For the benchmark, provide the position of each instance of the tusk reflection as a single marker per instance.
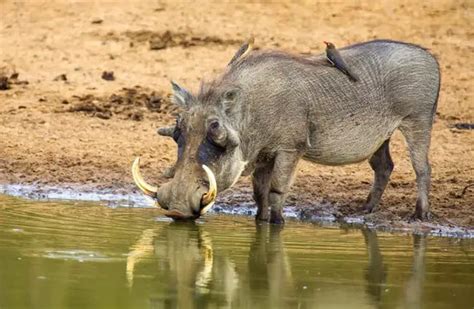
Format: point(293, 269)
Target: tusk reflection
point(142, 249)
point(205, 276)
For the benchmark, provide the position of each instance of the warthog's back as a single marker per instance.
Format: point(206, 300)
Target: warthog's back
point(352, 119)
point(344, 121)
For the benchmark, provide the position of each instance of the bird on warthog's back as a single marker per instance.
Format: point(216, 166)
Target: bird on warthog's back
point(336, 60)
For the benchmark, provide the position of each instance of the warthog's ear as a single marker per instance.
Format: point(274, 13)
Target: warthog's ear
point(230, 98)
point(242, 51)
point(181, 96)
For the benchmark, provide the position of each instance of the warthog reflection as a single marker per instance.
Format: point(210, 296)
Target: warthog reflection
point(376, 272)
point(197, 270)
point(414, 286)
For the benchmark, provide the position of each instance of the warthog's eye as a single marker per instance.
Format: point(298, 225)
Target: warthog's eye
point(230, 95)
point(214, 125)
point(216, 134)
point(229, 99)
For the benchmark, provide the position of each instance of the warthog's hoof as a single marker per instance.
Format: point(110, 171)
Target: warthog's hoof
point(370, 205)
point(260, 217)
point(276, 218)
point(422, 211)
point(421, 216)
point(368, 208)
point(262, 214)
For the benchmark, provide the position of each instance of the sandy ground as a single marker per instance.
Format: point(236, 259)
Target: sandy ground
point(79, 128)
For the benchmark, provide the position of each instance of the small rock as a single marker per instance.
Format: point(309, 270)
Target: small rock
point(4, 84)
point(108, 75)
point(137, 116)
point(157, 44)
point(97, 21)
point(162, 41)
point(61, 77)
point(104, 115)
point(154, 102)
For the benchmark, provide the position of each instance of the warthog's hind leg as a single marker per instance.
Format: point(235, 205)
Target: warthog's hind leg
point(417, 133)
point(382, 164)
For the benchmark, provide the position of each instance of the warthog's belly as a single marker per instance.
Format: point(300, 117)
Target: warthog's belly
point(347, 143)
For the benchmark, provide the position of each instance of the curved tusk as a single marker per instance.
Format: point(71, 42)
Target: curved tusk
point(137, 177)
point(209, 198)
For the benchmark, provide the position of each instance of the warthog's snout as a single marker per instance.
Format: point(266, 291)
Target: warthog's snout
point(193, 205)
point(178, 215)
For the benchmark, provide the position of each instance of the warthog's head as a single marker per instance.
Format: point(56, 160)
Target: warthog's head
point(209, 151)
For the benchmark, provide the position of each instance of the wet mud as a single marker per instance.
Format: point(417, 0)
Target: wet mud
point(324, 214)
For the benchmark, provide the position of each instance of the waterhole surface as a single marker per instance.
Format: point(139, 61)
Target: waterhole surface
point(82, 255)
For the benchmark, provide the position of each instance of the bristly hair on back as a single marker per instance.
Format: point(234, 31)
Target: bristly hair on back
point(383, 41)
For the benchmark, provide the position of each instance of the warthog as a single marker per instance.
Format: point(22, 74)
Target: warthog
point(270, 109)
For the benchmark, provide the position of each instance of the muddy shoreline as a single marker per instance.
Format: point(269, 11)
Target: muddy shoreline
point(326, 214)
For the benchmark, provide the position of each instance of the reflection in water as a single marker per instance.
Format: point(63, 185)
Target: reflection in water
point(269, 266)
point(414, 286)
point(56, 255)
point(142, 249)
point(376, 273)
point(194, 270)
point(187, 251)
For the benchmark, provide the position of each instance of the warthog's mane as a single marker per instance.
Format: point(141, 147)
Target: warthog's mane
point(212, 88)
point(209, 89)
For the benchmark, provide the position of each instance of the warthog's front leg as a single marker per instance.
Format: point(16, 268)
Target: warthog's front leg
point(261, 179)
point(282, 177)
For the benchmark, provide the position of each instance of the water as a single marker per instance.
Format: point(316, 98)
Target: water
point(64, 255)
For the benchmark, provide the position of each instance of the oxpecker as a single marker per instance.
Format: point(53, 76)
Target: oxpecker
point(336, 60)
